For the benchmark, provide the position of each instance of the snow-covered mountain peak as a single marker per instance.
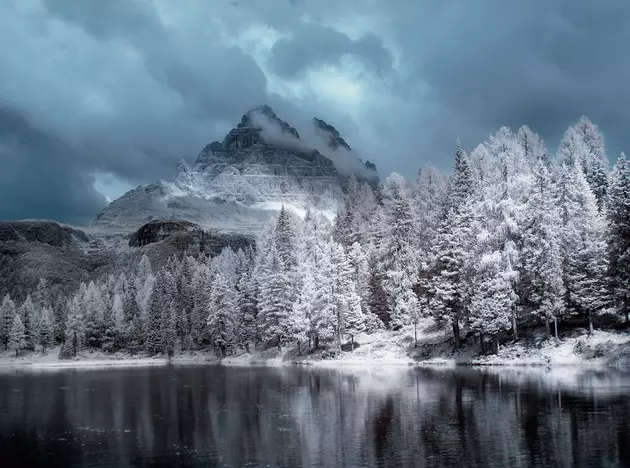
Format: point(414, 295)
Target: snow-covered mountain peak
point(236, 184)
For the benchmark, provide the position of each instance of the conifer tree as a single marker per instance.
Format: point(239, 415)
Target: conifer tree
point(221, 313)
point(619, 236)
point(17, 337)
point(7, 314)
point(27, 315)
point(45, 329)
point(452, 247)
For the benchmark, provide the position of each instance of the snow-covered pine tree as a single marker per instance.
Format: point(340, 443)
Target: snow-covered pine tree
point(201, 286)
point(27, 315)
point(46, 332)
point(618, 212)
point(303, 308)
point(583, 144)
point(533, 146)
point(399, 259)
point(119, 325)
point(583, 246)
point(276, 298)
point(169, 334)
point(452, 249)
point(109, 334)
point(94, 312)
point(247, 309)
point(540, 267)
point(17, 337)
point(596, 165)
point(284, 239)
point(75, 328)
point(161, 297)
point(144, 281)
point(349, 317)
point(7, 313)
point(221, 314)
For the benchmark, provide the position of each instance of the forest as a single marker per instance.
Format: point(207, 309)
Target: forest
point(512, 239)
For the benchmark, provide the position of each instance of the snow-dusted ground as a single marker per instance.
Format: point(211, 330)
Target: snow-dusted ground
point(383, 348)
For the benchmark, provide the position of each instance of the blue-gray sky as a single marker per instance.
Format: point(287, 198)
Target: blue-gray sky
point(97, 96)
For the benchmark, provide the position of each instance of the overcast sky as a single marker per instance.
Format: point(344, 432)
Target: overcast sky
point(97, 96)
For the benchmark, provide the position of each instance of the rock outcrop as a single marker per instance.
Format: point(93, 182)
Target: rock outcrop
point(239, 183)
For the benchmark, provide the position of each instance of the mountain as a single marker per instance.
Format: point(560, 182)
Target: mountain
point(238, 184)
point(231, 191)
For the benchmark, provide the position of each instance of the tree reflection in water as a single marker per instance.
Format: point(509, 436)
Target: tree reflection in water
point(222, 416)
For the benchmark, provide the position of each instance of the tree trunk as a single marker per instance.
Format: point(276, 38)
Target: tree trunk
point(496, 343)
point(547, 330)
point(352, 341)
point(555, 327)
point(316, 342)
point(456, 336)
point(247, 347)
point(590, 323)
point(514, 327)
point(299, 348)
point(483, 348)
point(16, 352)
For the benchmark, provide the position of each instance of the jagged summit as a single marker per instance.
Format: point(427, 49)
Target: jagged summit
point(236, 184)
point(330, 133)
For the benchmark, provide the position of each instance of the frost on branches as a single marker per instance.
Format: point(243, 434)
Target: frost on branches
point(511, 239)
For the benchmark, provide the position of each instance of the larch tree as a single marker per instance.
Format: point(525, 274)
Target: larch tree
point(540, 267)
point(7, 313)
point(618, 213)
point(452, 248)
point(222, 307)
point(17, 337)
point(583, 246)
point(46, 332)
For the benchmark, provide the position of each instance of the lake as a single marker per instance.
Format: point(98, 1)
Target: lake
point(300, 416)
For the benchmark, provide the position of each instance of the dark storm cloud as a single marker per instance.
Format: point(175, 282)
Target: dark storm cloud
point(542, 63)
point(33, 181)
point(313, 44)
point(130, 87)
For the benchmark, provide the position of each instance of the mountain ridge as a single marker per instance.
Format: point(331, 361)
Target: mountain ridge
point(239, 183)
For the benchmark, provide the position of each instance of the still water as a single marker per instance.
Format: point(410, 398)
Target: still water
point(226, 416)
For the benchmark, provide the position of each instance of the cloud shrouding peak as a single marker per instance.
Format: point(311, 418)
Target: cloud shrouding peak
point(125, 89)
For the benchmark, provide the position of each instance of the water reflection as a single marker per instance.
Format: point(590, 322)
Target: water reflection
point(217, 416)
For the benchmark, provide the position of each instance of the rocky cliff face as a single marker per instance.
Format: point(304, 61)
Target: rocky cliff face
point(237, 184)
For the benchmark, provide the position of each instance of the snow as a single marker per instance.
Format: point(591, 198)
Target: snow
point(381, 349)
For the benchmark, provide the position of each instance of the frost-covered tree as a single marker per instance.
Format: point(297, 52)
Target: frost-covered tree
point(540, 266)
point(452, 248)
point(618, 212)
point(534, 149)
point(583, 145)
point(75, 328)
point(276, 298)
point(27, 313)
point(169, 333)
point(222, 308)
point(7, 314)
point(17, 337)
point(46, 332)
point(583, 246)
point(94, 314)
point(118, 322)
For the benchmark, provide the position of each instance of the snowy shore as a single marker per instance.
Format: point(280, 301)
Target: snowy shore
point(602, 348)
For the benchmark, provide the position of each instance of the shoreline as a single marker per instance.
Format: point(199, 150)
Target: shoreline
point(252, 360)
point(601, 350)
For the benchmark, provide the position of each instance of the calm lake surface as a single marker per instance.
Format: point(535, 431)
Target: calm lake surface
point(227, 416)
